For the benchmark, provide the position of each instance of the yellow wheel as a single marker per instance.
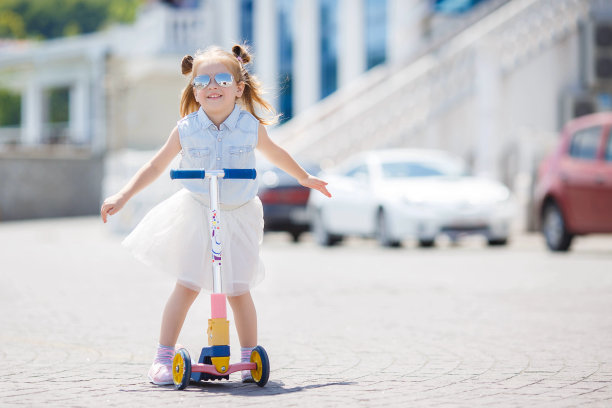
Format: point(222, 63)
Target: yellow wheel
point(181, 369)
point(262, 372)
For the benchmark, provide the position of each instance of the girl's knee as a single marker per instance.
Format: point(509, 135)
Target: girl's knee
point(186, 290)
point(235, 300)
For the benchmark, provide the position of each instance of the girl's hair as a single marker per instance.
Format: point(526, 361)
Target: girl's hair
point(235, 62)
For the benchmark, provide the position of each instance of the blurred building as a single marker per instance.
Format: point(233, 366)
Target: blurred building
point(491, 80)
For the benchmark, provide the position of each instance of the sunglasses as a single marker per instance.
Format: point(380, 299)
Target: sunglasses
point(223, 79)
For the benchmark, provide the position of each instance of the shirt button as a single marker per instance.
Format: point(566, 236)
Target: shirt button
point(218, 158)
point(219, 139)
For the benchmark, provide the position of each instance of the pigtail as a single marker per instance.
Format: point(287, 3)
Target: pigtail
point(241, 54)
point(187, 64)
point(188, 101)
point(252, 94)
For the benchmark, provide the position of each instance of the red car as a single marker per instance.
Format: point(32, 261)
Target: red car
point(574, 189)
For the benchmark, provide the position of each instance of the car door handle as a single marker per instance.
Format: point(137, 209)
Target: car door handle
point(599, 180)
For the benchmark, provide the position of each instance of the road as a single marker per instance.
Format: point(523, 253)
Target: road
point(356, 325)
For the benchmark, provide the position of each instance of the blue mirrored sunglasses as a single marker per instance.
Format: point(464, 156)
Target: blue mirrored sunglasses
point(223, 79)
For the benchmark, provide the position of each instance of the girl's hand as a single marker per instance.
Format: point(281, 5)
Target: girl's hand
point(112, 205)
point(315, 183)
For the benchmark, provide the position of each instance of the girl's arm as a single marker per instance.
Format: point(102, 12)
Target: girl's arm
point(143, 177)
point(279, 156)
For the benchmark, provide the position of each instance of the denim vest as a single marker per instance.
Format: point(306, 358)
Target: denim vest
point(204, 146)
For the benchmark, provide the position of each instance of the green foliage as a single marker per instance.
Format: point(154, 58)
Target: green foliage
point(59, 105)
point(11, 25)
point(10, 108)
point(58, 18)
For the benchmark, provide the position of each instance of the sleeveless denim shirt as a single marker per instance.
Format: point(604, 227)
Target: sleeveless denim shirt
point(204, 146)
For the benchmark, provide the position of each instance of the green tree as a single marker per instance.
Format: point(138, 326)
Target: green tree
point(58, 18)
point(10, 108)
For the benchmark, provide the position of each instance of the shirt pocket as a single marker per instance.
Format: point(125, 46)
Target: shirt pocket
point(199, 156)
point(239, 156)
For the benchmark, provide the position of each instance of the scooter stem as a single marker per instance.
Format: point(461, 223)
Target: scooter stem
point(215, 222)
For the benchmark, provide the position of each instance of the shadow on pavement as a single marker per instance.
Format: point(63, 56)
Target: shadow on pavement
point(251, 390)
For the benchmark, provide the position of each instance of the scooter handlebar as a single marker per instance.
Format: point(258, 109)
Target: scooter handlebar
point(240, 174)
point(201, 174)
point(187, 174)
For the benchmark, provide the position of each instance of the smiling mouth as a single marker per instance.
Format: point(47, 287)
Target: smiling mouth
point(214, 96)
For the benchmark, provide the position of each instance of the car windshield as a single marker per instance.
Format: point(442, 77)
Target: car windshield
point(419, 169)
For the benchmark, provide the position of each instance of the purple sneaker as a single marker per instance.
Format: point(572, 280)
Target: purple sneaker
point(160, 374)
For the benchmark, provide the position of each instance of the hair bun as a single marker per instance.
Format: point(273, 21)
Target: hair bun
point(187, 64)
point(241, 53)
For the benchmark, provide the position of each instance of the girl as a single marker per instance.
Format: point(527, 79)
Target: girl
point(220, 128)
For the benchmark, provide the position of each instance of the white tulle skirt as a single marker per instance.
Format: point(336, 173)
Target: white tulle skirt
point(174, 237)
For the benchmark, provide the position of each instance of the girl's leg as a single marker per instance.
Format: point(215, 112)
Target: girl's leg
point(175, 312)
point(173, 318)
point(245, 318)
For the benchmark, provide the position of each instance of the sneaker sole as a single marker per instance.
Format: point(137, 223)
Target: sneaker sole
point(160, 382)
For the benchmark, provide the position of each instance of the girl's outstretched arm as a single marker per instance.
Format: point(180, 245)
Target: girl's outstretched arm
point(143, 177)
point(279, 156)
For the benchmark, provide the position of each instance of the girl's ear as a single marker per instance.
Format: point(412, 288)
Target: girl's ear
point(240, 90)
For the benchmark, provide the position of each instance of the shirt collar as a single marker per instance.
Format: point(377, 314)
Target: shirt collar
point(230, 122)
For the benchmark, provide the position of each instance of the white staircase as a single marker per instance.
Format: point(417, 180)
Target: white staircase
point(393, 106)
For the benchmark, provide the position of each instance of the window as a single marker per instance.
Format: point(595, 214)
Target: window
point(285, 58)
point(376, 31)
point(359, 172)
point(246, 21)
point(409, 169)
point(584, 143)
point(329, 48)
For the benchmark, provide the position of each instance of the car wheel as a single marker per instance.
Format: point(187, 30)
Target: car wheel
point(497, 241)
point(382, 231)
point(319, 230)
point(295, 235)
point(557, 236)
point(426, 243)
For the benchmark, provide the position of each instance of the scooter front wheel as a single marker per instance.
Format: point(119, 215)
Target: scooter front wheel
point(181, 369)
point(262, 372)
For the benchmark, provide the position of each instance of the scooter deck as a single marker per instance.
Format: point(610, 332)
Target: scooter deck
point(210, 369)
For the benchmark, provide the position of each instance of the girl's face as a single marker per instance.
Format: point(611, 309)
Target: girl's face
point(219, 96)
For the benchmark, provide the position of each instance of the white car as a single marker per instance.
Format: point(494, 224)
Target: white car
point(409, 193)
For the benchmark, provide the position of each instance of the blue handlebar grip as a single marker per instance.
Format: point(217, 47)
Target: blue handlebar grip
point(240, 174)
point(187, 174)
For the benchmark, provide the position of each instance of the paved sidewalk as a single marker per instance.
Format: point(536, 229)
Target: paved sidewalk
point(349, 326)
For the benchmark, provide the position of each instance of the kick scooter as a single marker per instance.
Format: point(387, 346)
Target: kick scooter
point(214, 360)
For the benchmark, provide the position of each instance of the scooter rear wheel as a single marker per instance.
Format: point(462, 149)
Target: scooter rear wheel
point(262, 372)
point(181, 369)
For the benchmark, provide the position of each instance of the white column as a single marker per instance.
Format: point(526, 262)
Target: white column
point(266, 47)
point(405, 22)
point(77, 114)
point(98, 119)
point(351, 30)
point(230, 27)
point(306, 55)
point(32, 108)
point(489, 105)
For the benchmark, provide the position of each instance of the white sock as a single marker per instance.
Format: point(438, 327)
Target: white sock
point(245, 354)
point(164, 355)
point(245, 357)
